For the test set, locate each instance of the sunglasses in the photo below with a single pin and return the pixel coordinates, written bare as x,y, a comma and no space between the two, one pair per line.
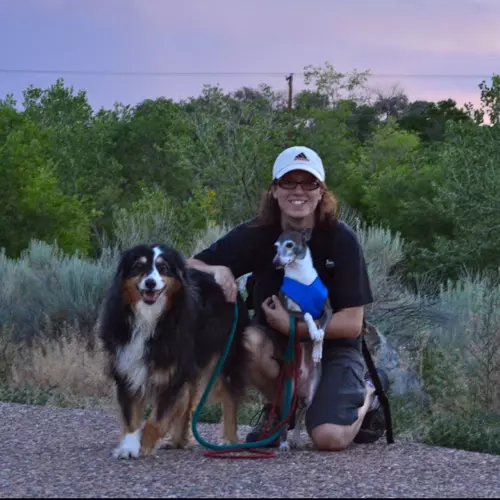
306,185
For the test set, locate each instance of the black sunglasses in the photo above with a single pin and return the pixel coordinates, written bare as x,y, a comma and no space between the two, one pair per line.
306,185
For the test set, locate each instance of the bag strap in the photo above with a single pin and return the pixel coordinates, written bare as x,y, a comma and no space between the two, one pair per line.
379,390
329,253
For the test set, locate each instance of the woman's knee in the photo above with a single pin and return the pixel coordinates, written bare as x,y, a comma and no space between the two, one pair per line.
331,437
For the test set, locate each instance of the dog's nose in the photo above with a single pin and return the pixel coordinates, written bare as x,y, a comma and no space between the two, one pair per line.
150,283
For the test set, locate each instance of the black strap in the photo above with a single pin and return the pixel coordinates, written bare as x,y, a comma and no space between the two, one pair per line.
384,400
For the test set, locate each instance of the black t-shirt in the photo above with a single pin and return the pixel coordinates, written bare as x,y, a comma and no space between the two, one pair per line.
335,250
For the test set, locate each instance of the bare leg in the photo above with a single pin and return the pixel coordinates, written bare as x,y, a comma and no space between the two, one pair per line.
332,437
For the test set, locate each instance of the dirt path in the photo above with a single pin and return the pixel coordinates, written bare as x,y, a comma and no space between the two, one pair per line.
48,452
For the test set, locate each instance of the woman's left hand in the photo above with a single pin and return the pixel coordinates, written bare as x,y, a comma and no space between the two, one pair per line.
276,315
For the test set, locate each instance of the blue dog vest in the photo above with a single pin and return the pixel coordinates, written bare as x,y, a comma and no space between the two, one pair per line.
311,298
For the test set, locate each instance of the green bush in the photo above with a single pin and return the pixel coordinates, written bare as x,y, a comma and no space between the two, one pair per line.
45,289
471,342
156,218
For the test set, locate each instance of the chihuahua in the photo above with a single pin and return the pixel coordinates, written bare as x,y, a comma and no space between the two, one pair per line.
305,297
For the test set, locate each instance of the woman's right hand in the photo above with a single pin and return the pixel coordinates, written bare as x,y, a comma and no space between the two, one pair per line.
224,277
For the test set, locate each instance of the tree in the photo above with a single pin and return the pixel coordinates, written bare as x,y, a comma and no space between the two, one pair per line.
80,145
490,99
429,119
308,100
154,141
33,205
335,85
393,184
236,145
392,104
467,195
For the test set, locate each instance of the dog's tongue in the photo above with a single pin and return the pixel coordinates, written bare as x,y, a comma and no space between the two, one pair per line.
151,296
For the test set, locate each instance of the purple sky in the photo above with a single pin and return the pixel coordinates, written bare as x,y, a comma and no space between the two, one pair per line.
392,37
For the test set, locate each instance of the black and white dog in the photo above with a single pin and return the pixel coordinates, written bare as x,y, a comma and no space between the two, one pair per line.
305,297
164,328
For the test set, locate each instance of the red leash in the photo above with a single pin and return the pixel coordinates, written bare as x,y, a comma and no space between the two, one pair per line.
254,453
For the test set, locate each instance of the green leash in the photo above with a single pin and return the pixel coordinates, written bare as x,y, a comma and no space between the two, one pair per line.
289,356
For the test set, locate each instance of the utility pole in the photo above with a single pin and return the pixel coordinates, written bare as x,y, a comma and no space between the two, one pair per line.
289,79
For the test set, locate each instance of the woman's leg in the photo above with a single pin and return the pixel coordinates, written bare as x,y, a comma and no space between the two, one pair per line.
341,402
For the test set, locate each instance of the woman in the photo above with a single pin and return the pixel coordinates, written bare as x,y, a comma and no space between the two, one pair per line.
297,197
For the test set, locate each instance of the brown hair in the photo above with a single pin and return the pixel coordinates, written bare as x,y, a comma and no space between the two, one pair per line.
270,213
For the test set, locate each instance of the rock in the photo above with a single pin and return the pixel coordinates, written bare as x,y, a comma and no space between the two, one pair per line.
396,362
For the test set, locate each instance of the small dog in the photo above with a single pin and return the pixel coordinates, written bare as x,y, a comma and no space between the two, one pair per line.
164,328
305,297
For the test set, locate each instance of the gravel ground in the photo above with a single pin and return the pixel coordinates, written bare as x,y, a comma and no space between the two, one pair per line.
52,452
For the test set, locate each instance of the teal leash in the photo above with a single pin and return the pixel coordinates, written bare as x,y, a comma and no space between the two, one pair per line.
289,357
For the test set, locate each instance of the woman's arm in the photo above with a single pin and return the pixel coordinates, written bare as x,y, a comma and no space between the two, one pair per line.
226,259
222,275
344,324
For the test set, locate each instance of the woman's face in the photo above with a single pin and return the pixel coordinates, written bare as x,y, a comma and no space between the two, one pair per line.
298,194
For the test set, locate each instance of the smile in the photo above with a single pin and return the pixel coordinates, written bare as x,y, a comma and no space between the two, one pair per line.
151,296
298,202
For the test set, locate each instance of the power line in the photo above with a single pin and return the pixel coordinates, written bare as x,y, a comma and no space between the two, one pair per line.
219,73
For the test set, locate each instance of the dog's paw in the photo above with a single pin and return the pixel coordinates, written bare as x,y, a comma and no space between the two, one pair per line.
317,351
148,451
228,441
130,446
285,446
295,438
181,443
318,335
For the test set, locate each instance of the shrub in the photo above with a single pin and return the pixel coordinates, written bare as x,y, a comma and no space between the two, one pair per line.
453,342
157,218
66,364
471,343
52,300
45,289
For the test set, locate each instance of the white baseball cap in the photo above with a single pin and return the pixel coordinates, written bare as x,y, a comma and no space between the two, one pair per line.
298,158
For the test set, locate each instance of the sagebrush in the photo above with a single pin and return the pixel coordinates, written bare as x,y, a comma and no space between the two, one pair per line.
450,340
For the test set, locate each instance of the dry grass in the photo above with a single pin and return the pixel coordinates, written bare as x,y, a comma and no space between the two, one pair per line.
65,373
452,341
65,365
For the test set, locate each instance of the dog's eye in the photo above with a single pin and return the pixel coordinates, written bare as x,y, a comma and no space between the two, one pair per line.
162,268
139,264
289,244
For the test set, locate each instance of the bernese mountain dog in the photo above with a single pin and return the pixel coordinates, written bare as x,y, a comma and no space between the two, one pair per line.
164,327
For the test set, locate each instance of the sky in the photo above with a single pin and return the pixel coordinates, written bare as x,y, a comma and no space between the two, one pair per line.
411,44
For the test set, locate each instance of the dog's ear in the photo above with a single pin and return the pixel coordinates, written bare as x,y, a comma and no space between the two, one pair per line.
180,268
307,233
121,264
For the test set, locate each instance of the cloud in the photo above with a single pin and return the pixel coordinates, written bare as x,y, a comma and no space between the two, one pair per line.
443,28
389,36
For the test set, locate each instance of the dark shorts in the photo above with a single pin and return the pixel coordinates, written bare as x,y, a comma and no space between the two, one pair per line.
341,390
